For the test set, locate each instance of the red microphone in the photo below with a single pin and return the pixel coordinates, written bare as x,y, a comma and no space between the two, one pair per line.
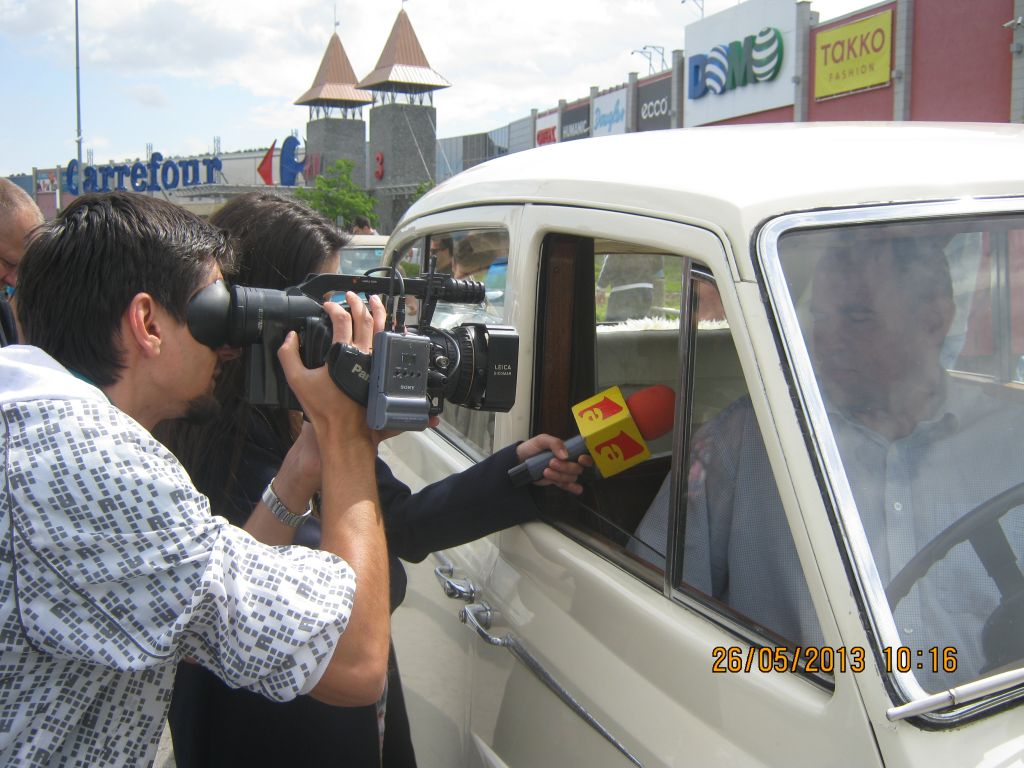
612,431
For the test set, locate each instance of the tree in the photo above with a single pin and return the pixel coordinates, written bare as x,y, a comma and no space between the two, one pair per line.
336,196
421,189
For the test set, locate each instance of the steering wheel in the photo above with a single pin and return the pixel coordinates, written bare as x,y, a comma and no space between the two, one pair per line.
981,527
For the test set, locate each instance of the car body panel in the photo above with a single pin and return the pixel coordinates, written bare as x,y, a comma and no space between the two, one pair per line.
631,654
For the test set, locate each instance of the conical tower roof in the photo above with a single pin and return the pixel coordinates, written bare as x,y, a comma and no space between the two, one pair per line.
335,81
403,67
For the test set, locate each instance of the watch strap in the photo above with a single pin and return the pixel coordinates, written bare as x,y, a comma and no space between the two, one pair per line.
280,511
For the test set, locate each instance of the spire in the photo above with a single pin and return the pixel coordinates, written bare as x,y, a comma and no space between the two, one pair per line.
403,67
335,82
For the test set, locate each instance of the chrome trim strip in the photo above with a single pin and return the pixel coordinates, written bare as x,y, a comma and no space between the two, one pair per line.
468,615
767,256
962,694
446,564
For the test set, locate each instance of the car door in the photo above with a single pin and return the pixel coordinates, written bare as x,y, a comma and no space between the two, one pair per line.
590,644
434,649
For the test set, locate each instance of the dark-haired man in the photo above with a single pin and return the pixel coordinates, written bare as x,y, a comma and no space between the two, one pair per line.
361,226
111,567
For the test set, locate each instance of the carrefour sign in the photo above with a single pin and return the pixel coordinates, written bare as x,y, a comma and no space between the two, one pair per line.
159,174
741,62
152,176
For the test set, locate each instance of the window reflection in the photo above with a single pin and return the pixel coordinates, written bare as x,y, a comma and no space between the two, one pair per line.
916,333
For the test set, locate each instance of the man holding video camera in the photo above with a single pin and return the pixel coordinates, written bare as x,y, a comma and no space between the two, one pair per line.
112,568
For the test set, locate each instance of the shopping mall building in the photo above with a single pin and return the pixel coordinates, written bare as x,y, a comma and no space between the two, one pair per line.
760,61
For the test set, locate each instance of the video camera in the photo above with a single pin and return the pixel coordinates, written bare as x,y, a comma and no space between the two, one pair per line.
410,373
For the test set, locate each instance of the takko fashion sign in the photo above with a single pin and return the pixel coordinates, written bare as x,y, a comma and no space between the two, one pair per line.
854,56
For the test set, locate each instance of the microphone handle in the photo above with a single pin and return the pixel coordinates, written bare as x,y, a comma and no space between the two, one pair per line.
532,470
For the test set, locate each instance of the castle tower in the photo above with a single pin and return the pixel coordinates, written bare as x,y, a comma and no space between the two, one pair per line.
403,122
336,129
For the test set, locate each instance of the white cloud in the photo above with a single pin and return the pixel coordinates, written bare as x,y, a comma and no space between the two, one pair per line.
152,96
246,61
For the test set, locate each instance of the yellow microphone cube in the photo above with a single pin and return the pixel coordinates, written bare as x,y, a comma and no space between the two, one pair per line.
612,437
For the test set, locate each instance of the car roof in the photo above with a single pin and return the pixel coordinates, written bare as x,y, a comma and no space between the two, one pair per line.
735,177
367,241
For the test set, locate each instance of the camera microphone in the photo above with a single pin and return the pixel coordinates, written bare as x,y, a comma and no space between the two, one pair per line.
613,431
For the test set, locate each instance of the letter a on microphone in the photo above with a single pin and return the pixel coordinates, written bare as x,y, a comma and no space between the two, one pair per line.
612,437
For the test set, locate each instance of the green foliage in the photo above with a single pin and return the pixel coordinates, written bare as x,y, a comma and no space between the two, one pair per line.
336,196
409,268
422,188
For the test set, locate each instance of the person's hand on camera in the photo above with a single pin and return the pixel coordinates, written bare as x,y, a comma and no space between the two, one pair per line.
322,401
560,471
367,320
376,315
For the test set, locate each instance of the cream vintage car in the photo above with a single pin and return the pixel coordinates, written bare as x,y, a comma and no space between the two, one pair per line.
819,565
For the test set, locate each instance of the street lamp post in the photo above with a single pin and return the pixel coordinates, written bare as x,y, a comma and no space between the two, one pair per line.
78,93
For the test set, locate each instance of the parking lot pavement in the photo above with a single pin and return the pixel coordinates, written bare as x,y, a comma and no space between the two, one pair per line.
164,753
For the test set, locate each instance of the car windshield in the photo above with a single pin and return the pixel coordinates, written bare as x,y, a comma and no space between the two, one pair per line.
355,260
914,334
478,255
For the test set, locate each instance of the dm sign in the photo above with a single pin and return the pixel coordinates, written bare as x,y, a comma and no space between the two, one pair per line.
757,59
739,62
854,56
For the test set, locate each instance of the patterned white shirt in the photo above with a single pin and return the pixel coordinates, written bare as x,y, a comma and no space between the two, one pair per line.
112,570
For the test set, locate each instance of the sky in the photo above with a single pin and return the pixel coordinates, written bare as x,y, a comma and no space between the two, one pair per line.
177,73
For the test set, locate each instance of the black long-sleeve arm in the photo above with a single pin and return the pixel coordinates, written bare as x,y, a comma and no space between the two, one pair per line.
453,511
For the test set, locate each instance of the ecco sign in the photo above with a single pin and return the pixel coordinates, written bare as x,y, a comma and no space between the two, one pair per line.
757,59
654,104
152,176
654,108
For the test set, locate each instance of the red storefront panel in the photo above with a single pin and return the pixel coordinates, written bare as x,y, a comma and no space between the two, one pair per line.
961,60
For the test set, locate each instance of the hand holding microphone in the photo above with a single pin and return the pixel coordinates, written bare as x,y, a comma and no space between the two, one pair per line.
613,431
561,470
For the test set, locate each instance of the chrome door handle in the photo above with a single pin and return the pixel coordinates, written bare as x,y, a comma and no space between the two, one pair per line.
479,616
457,589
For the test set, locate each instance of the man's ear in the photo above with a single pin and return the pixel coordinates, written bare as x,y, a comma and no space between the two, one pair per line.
142,328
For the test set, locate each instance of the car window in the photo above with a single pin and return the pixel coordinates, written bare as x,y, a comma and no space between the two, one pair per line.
915,335
729,508
480,255
639,320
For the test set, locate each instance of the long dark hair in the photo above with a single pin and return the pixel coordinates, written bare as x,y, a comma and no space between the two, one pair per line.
278,242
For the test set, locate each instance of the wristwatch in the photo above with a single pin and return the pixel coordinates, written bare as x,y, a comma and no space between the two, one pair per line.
280,511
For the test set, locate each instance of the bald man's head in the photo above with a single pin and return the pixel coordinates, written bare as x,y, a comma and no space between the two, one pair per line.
19,215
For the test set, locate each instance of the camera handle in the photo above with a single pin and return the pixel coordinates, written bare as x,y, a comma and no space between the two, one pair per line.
349,368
